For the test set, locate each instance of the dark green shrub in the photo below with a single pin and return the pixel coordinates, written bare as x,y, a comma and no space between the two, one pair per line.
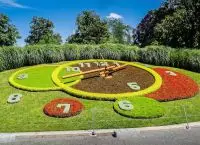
11,57
157,55
186,58
71,51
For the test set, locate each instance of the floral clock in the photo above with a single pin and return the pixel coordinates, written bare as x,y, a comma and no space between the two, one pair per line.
63,107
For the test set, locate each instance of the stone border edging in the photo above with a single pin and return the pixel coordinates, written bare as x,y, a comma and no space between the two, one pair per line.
24,136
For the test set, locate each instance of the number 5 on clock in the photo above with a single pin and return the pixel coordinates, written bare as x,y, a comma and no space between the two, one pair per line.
66,107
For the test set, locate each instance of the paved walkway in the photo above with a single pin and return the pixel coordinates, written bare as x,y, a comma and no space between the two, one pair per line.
176,135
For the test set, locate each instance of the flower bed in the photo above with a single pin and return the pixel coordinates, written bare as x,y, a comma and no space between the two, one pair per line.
175,86
139,107
103,96
35,78
63,107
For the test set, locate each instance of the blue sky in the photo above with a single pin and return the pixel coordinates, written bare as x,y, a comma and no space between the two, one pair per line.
63,12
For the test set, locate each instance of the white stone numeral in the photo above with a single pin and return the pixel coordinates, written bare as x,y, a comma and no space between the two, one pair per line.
134,86
171,73
88,64
14,98
125,105
103,63
22,76
75,69
66,107
83,64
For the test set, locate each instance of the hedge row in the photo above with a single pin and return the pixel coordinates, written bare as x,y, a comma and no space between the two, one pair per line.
14,57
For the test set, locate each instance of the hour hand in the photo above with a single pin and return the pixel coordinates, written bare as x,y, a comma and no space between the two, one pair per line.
106,69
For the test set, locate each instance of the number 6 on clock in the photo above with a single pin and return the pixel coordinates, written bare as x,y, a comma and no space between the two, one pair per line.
134,86
66,107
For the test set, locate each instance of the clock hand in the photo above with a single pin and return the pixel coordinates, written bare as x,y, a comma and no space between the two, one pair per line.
110,68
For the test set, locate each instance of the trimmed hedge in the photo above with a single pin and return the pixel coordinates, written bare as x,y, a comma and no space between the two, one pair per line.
15,57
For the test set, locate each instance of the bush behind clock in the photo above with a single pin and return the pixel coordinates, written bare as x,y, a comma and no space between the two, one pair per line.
15,57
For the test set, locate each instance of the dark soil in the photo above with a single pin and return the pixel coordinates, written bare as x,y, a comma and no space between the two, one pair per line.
118,83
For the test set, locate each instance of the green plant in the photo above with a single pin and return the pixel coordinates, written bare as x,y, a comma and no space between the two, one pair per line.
8,32
42,32
15,57
142,108
158,55
39,78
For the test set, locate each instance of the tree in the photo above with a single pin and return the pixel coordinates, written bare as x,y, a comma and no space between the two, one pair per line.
90,29
128,34
144,33
187,28
42,32
51,39
176,23
8,32
120,32
192,8
173,30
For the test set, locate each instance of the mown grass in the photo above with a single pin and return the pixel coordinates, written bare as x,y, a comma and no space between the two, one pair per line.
143,108
27,115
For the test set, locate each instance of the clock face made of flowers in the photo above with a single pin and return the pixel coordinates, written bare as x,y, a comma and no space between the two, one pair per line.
106,79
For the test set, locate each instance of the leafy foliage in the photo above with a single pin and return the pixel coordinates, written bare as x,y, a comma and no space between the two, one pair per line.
42,32
8,32
120,32
168,32
175,23
90,29
144,33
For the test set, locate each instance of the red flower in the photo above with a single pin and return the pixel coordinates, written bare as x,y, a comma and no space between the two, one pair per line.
64,107
174,87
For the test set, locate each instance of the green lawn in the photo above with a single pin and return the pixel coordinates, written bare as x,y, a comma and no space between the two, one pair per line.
27,115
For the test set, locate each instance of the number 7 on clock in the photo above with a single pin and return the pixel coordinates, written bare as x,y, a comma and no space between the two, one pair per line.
66,107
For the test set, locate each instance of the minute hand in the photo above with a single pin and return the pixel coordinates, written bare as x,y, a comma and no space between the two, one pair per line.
95,70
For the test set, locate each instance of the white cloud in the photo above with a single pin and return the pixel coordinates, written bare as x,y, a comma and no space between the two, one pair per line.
114,16
12,3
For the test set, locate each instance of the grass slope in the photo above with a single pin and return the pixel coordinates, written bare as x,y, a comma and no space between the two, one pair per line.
27,115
